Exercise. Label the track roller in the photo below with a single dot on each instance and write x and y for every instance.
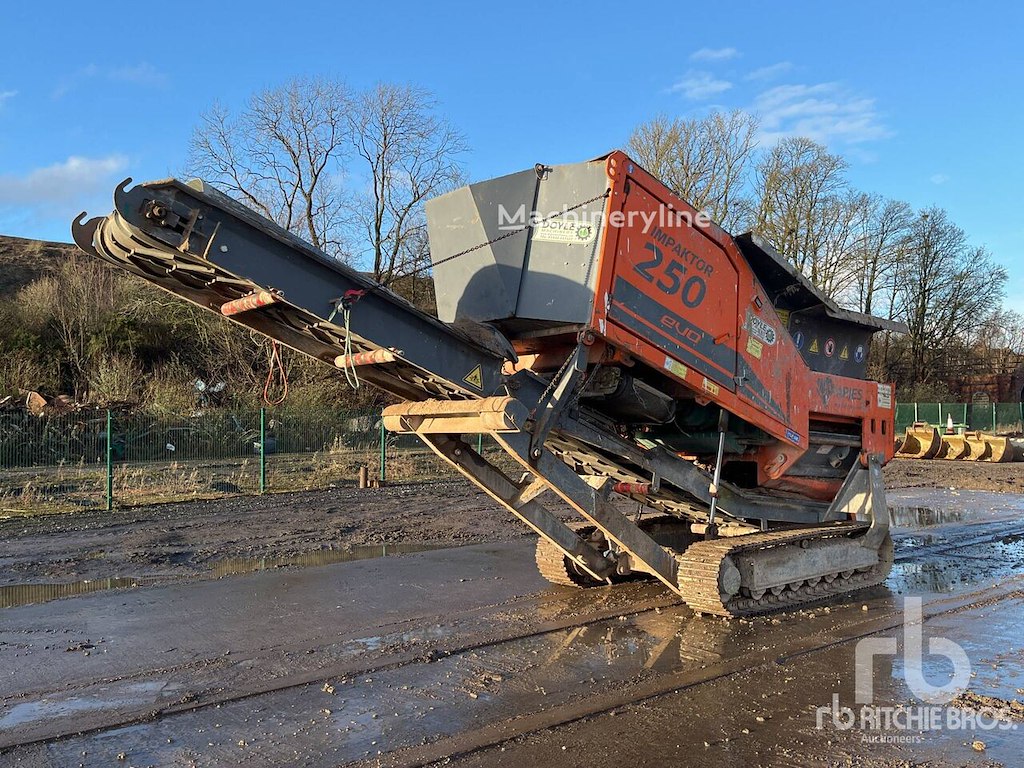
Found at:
(559, 569)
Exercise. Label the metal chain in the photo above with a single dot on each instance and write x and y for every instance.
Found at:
(497, 239)
(554, 380)
(351, 297)
(508, 234)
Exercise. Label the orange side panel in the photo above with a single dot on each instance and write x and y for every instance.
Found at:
(682, 299)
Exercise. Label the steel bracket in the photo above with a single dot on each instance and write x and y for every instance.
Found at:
(520, 502)
(548, 410)
(592, 504)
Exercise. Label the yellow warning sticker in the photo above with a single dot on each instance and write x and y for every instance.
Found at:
(844, 353)
(475, 378)
(710, 386)
(675, 367)
(783, 317)
(814, 347)
(754, 347)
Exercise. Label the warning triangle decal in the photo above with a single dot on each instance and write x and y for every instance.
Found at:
(475, 378)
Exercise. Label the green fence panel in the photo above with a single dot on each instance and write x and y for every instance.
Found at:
(1009, 417)
(906, 414)
(930, 412)
(981, 416)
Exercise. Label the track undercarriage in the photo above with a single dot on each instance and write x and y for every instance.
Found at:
(741, 572)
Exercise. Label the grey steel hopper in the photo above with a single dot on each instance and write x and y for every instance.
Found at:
(526, 276)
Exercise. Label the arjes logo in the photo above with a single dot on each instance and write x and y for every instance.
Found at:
(827, 389)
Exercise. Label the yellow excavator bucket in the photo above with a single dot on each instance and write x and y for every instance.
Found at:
(954, 448)
(980, 449)
(921, 442)
(1001, 449)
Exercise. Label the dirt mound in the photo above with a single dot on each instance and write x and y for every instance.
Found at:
(22, 260)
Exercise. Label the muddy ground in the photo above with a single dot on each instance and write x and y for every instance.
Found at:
(467, 657)
(959, 475)
(170, 541)
(237, 534)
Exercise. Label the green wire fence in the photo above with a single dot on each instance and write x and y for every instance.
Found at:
(102, 459)
(105, 458)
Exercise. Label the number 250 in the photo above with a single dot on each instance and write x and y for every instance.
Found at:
(694, 288)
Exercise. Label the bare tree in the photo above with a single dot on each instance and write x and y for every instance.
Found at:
(409, 153)
(946, 290)
(800, 189)
(283, 155)
(705, 161)
(885, 229)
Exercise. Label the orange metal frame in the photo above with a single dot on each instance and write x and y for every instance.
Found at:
(682, 299)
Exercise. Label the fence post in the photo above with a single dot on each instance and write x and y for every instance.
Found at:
(383, 451)
(263, 450)
(110, 462)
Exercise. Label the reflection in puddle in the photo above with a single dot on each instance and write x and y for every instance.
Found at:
(971, 565)
(922, 517)
(112, 698)
(942, 577)
(25, 594)
(925, 508)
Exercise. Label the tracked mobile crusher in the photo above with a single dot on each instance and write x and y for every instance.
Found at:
(608, 340)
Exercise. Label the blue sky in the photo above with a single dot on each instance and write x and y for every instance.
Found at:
(923, 98)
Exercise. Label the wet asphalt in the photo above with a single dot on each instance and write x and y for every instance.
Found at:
(467, 654)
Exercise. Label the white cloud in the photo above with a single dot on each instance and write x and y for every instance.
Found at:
(5, 95)
(144, 74)
(700, 85)
(938, 178)
(714, 54)
(50, 189)
(770, 72)
(824, 112)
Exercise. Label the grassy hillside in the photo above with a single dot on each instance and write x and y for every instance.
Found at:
(22, 260)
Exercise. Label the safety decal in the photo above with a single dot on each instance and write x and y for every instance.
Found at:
(711, 387)
(844, 354)
(830, 347)
(475, 378)
(858, 353)
(754, 347)
(793, 436)
(798, 339)
(815, 348)
(783, 317)
(884, 396)
(675, 367)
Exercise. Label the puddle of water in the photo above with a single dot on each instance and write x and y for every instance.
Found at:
(45, 708)
(240, 565)
(25, 594)
(927, 508)
(16, 595)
